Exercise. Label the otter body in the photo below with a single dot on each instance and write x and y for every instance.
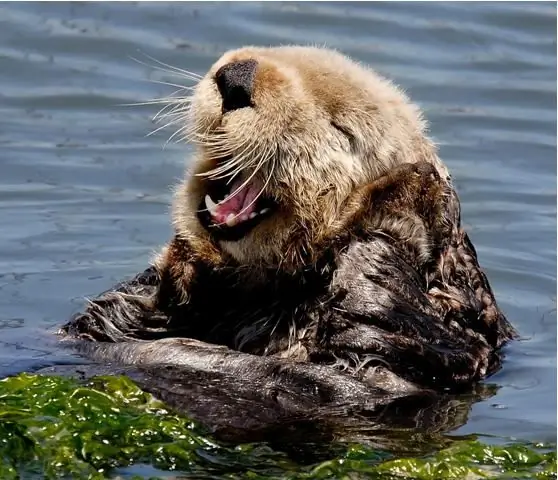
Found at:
(318, 250)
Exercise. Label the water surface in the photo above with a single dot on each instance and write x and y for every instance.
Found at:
(84, 193)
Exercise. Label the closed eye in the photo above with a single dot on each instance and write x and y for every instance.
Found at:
(345, 132)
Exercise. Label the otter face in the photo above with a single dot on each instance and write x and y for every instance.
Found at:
(283, 136)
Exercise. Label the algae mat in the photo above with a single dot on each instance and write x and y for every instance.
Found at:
(54, 427)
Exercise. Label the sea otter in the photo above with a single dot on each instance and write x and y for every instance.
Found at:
(317, 256)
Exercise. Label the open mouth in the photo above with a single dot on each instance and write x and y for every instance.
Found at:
(230, 209)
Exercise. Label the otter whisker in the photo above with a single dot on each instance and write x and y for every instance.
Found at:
(191, 135)
(174, 135)
(205, 139)
(177, 85)
(237, 164)
(183, 138)
(223, 171)
(155, 101)
(174, 109)
(229, 171)
(193, 77)
(162, 127)
(219, 145)
(176, 114)
(168, 103)
(262, 161)
(187, 132)
(176, 105)
(214, 140)
(238, 170)
(178, 102)
(247, 155)
(172, 68)
(260, 165)
(222, 137)
(174, 98)
(219, 151)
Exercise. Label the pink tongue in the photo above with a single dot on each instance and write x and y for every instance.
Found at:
(239, 204)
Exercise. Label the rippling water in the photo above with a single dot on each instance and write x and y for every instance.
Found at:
(84, 193)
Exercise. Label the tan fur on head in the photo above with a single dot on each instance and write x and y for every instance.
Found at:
(321, 127)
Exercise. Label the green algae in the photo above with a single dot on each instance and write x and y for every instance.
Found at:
(55, 427)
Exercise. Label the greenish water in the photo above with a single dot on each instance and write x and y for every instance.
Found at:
(55, 427)
(84, 193)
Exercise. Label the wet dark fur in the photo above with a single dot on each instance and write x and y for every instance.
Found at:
(395, 304)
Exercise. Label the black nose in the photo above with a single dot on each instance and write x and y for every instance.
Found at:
(235, 82)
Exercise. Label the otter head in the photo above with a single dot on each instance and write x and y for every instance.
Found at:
(283, 137)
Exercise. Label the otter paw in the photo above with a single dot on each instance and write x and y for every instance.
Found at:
(422, 169)
(426, 169)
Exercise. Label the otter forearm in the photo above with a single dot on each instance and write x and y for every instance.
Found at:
(140, 308)
(411, 293)
(266, 375)
(382, 315)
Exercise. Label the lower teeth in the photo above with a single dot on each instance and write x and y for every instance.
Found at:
(233, 219)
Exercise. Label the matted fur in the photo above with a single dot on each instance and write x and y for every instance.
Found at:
(362, 280)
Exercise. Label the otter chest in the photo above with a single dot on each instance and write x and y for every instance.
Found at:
(278, 318)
